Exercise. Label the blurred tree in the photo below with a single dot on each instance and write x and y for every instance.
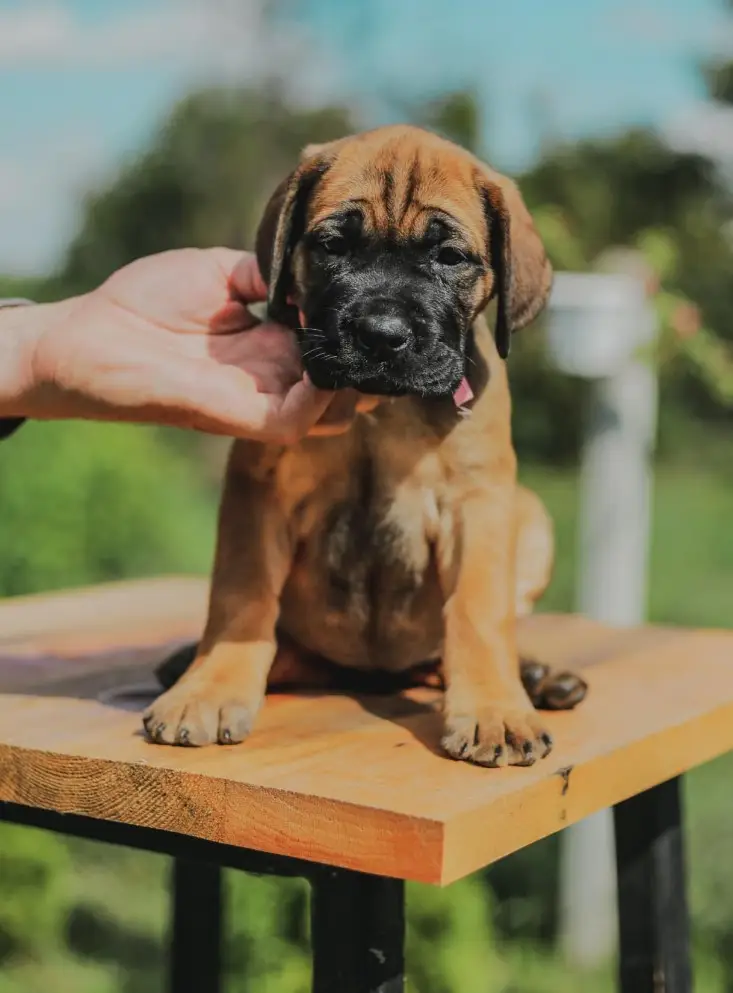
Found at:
(718, 75)
(203, 181)
(593, 194)
(449, 946)
(21, 286)
(456, 116)
(267, 944)
(610, 190)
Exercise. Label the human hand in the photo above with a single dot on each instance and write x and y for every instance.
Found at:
(169, 339)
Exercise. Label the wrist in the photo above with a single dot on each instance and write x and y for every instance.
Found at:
(22, 330)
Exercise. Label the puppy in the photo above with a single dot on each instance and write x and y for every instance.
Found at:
(405, 539)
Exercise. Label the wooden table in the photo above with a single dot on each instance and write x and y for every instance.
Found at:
(354, 793)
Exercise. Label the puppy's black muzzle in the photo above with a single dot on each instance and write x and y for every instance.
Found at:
(382, 347)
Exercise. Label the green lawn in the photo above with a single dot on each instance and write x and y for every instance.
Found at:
(691, 564)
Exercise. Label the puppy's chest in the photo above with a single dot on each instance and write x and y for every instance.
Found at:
(378, 541)
(372, 536)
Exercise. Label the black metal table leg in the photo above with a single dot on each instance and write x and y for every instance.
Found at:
(358, 933)
(653, 919)
(195, 962)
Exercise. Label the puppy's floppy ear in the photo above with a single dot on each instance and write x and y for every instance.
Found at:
(281, 227)
(522, 271)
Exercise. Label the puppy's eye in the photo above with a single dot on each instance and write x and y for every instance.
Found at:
(334, 245)
(450, 256)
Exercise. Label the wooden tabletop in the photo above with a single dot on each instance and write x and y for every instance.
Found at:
(354, 782)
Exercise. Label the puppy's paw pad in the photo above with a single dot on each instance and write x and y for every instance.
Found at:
(496, 737)
(533, 676)
(550, 690)
(564, 691)
(195, 719)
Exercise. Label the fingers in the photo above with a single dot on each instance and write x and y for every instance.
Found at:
(226, 400)
(338, 415)
(246, 281)
(303, 411)
(246, 286)
(274, 417)
(303, 408)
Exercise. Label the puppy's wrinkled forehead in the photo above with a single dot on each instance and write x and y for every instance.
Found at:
(400, 182)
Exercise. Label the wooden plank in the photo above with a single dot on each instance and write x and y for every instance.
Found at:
(117, 610)
(361, 783)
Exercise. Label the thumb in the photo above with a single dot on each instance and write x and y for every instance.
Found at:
(338, 416)
(246, 280)
(298, 412)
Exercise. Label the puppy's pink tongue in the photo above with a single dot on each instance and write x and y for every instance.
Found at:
(463, 394)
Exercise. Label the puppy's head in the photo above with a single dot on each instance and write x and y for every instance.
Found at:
(383, 248)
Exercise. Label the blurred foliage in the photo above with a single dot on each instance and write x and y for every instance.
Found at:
(82, 502)
(268, 945)
(449, 946)
(456, 116)
(203, 182)
(634, 191)
(718, 75)
(27, 287)
(34, 894)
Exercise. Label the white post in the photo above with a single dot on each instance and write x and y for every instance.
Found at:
(598, 327)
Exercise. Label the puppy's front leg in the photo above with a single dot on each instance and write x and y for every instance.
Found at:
(489, 718)
(219, 696)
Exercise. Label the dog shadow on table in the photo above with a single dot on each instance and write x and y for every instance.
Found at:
(131, 679)
(410, 699)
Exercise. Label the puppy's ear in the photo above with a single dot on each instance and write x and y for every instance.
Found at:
(522, 271)
(281, 227)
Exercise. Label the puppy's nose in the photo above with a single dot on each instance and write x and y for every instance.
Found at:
(382, 334)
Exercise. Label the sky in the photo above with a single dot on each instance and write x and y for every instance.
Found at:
(84, 83)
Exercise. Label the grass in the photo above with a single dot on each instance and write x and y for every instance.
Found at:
(691, 555)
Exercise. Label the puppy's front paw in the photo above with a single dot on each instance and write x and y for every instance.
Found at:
(496, 736)
(199, 716)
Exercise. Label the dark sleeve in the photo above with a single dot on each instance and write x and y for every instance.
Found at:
(8, 425)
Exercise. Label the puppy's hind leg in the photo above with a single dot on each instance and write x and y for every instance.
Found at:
(535, 550)
(546, 688)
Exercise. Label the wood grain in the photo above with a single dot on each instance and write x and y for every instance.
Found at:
(359, 783)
